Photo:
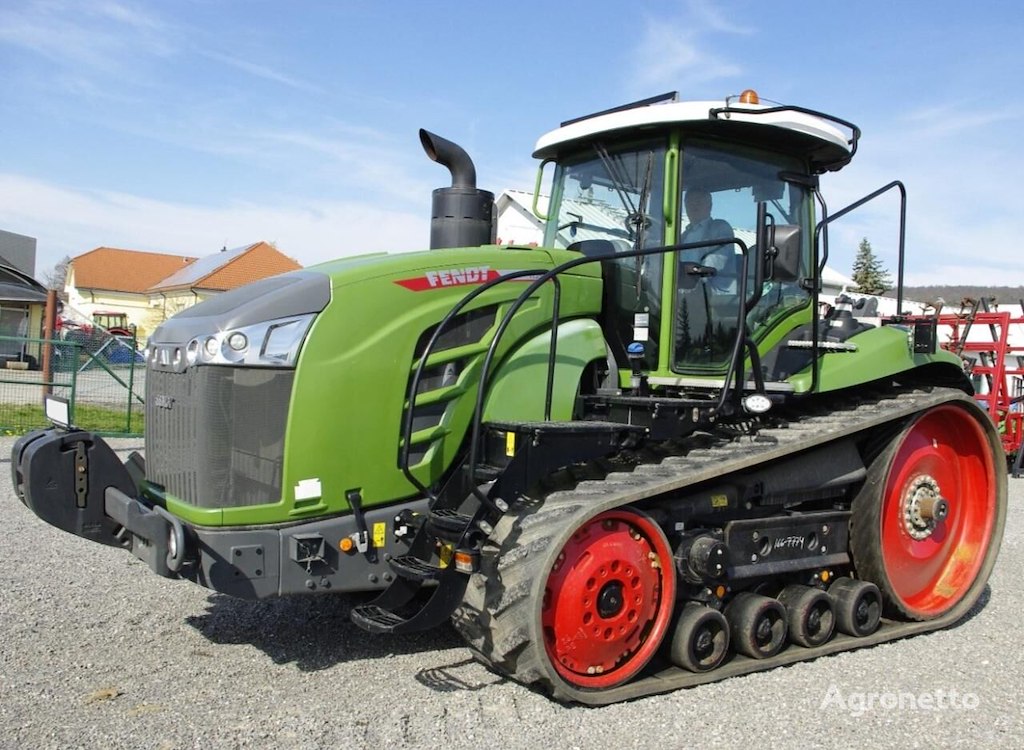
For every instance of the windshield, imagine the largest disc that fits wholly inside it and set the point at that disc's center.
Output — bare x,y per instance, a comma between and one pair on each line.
608,201
612,194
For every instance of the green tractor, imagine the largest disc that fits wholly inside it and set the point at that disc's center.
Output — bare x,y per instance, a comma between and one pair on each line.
632,459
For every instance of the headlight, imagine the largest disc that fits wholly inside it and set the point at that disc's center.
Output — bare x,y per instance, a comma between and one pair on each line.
282,340
237,341
274,343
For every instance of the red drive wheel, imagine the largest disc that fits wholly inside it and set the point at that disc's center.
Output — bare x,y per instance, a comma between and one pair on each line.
608,599
929,513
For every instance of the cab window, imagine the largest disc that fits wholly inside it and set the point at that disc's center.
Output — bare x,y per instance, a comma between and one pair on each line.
721,189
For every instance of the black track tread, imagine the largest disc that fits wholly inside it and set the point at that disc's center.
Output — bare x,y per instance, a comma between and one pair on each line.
499,617
496,621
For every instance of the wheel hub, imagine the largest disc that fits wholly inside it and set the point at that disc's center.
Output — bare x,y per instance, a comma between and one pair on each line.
923,507
704,643
609,601
764,631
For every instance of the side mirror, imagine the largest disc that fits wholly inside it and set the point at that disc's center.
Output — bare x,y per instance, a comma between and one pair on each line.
784,252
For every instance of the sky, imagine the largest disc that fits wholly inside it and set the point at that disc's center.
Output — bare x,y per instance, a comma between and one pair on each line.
184,126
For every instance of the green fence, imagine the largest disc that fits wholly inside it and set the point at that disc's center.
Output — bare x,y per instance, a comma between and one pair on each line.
102,377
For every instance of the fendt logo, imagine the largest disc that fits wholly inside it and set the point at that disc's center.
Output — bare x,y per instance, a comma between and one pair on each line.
449,277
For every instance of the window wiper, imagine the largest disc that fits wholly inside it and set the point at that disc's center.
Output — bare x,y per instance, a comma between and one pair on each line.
640,219
618,179
637,219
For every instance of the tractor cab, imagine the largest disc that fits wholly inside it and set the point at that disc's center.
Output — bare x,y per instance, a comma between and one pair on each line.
115,323
730,189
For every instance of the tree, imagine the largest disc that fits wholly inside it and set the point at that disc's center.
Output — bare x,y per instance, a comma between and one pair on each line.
170,307
869,274
56,277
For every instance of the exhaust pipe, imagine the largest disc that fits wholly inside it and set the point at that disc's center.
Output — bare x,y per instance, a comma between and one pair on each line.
450,155
461,215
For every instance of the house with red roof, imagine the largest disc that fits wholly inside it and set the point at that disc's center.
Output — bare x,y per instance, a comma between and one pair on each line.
151,287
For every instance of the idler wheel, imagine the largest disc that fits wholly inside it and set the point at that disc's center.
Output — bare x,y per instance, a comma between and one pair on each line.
809,614
701,638
858,606
757,625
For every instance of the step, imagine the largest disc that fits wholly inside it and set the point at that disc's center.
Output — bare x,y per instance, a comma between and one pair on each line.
414,568
448,524
486,473
446,597
565,428
376,619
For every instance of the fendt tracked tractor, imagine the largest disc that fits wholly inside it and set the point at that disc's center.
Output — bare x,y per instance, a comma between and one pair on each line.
632,459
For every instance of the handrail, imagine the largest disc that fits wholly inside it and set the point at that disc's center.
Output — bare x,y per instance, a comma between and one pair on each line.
852,141
823,225
903,227
817,271
421,366
575,262
541,277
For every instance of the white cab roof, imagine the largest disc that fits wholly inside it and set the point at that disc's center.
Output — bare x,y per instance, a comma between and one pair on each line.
828,134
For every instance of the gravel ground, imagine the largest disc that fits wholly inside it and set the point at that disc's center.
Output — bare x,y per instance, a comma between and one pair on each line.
99,652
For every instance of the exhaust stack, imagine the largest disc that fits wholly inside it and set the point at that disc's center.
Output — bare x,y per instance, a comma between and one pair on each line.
461,215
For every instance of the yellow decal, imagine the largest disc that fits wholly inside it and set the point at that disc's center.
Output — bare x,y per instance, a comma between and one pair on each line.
445,553
510,444
379,534
719,501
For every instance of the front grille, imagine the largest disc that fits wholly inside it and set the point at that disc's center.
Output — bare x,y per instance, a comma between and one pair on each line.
215,435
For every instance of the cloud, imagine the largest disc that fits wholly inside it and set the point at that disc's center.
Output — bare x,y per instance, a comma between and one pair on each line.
109,37
952,119
355,160
674,54
963,195
129,15
264,72
113,41
67,221
709,15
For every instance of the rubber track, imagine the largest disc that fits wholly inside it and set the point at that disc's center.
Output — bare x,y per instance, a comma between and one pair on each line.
501,608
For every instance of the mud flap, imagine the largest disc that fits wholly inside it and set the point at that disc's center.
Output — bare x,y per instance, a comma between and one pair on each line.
63,477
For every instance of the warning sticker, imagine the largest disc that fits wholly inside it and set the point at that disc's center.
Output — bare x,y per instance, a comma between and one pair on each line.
308,489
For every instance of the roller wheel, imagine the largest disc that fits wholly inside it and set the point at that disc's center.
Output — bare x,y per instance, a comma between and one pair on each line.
858,606
809,615
926,525
568,601
757,625
700,641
